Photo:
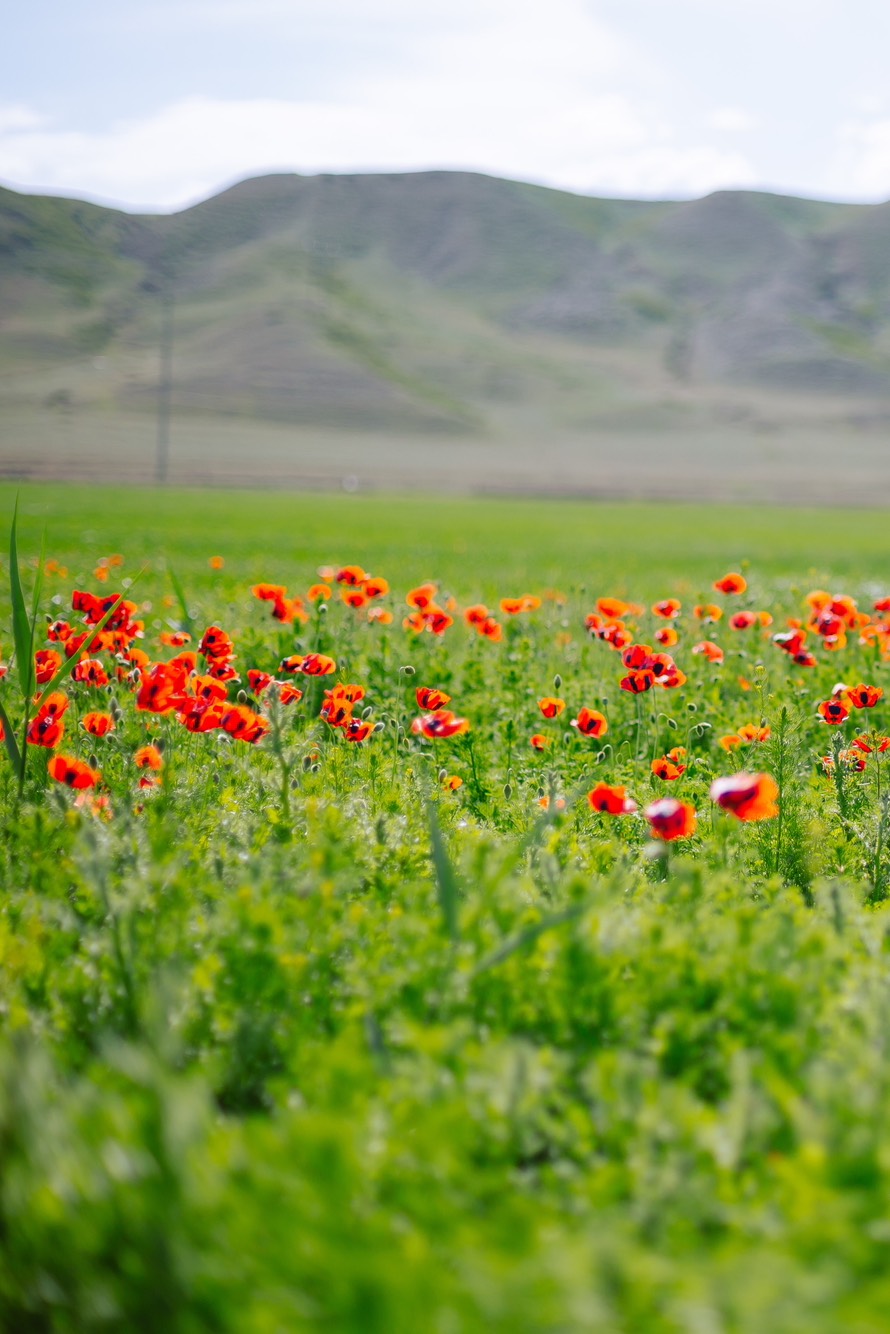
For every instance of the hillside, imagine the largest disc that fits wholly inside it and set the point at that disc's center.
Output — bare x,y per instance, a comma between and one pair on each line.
449,327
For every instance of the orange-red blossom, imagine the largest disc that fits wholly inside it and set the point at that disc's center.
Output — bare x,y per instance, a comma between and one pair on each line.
439,723
747,796
611,800
670,819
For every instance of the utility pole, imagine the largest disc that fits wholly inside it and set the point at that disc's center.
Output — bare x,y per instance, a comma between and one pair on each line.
165,381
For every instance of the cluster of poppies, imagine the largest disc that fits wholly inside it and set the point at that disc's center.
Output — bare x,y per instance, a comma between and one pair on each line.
203,688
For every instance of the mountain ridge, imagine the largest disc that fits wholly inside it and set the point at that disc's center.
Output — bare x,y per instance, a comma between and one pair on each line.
446,304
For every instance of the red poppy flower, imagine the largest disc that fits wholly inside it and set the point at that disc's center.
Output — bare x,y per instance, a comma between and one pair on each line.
376,588
287,693
614,608
590,722
89,671
610,800
708,649
709,612
422,596
148,757
162,688
668,608
550,706
216,563
864,697
834,711
351,574
358,729
47,662
97,724
870,743
317,664
243,724
636,657
354,597
476,614
743,620
540,742
491,629
216,644
749,732
667,636
337,712
670,819
258,681
637,682
175,638
47,727
452,782
429,698
731,583
747,796
292,664
73,773
667,770
319,592
439,723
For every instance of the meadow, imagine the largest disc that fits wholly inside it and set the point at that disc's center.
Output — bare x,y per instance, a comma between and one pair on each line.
389,943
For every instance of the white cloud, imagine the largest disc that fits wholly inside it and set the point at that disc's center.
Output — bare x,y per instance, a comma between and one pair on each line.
188,149
862,158
14,117
734,120
509,87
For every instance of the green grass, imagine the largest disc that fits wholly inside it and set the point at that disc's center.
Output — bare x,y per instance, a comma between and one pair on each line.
300,1039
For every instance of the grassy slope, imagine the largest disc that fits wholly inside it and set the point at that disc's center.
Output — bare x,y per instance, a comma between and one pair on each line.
439,308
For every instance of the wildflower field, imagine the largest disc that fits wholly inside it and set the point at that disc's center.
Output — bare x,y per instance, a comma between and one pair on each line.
436,915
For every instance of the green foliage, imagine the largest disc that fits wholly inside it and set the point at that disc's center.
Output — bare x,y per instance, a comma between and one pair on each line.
302,1038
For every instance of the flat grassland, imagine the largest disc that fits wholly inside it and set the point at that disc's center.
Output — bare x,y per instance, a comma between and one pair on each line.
374,1024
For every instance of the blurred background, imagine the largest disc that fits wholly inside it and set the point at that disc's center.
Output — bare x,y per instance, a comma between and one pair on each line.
586,248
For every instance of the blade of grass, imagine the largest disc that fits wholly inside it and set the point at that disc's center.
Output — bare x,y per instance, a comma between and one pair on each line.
12,746
22,629
446,880
180,597
528,936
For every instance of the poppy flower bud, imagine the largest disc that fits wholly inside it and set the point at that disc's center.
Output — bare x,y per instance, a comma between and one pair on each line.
294,784
442,775
315,768
321,608
557,682
366,713
307,763
93,762
692,706
672,724
242,697
379,726
508,791
406,671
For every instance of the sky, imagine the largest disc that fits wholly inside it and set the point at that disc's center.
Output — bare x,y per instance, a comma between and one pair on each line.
154,104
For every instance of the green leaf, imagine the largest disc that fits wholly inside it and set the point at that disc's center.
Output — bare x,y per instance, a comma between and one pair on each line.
12,748
446,880
183,605
22,628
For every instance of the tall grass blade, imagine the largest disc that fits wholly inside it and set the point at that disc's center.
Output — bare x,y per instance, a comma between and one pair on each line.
180,598
446,880
22,627
12,746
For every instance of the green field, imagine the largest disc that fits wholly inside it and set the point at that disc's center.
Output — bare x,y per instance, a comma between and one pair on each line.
302,1035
